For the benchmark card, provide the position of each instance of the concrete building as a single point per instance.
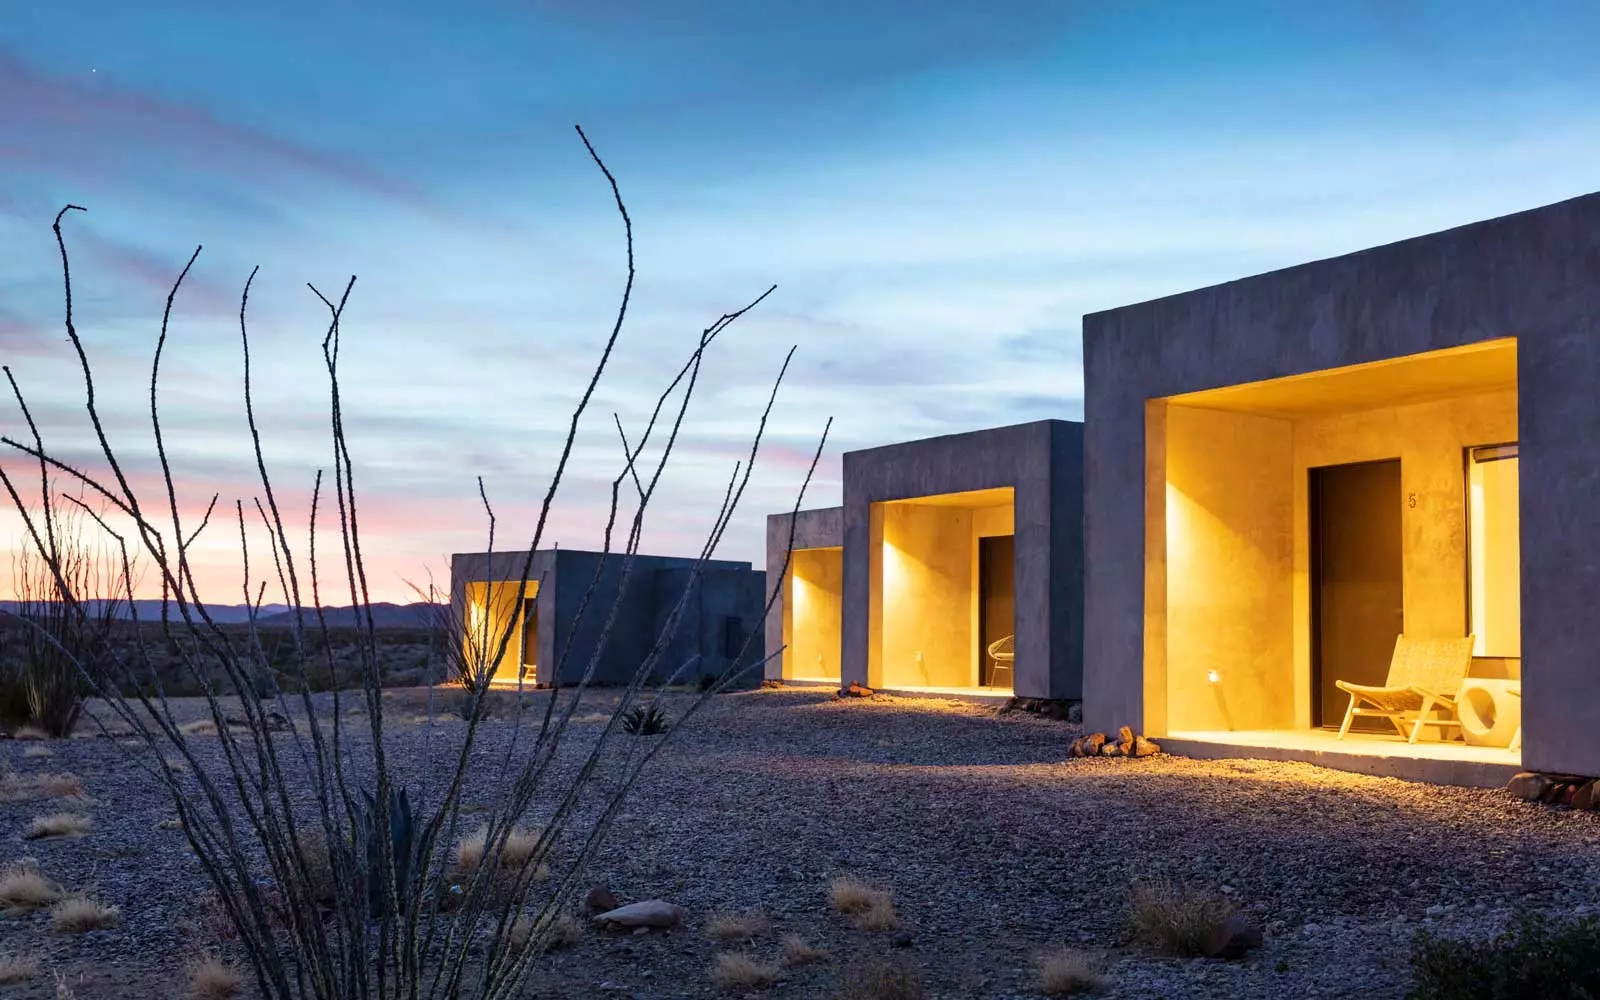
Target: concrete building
(954, 565)
(1285, 473)
(725, 604)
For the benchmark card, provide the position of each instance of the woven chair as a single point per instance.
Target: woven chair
(1424, 675)
(1004, 653)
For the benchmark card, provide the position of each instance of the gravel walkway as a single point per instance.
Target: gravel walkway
(994, 844)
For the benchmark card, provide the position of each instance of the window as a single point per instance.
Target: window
(1494, 558)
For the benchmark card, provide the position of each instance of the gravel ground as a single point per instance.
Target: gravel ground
(994, 844)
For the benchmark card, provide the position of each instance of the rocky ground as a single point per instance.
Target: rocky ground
(995, 844)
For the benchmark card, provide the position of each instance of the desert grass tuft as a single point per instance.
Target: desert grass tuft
(80, 915)
(60, 824)
(38, 752)
(798, 951)
(850, 896)
(1173, 919)
(209, 978)
(734, 970)
(199, 727)
(729, 927)
(880, 916)
(17, 969)
(24, 888)
(879, 979)
(565, 931)
(27, 787)
(30, 733)
(519, 851)
(1067, 972)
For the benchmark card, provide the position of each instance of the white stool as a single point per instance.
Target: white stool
(1490, 710)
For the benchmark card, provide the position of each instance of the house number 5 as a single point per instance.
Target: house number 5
(1411, 499)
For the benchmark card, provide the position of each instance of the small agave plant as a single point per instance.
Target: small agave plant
(645, 720)
(409, 842)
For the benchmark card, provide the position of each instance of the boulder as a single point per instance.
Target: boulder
(1232, 937)
(856, 691)
(1529, 785)
(1144, 748)
(1111, 748)
(650, 913)
(1584, 797)
(1092, 744)
(1076, 750)
(600, 900)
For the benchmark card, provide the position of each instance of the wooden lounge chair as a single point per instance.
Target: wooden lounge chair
(1424, 675)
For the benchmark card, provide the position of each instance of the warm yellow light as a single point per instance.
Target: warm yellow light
(1213, 676)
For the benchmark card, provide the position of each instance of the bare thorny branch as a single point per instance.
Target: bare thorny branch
(381, 917)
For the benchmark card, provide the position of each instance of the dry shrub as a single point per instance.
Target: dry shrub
(30, 733)
(1174, 919)
(1067, 972)
(199, 727)
(519, 851)
(24, 888)
(737, 926)
(38, 752)
(61, 824)
(732, 970)
(851, 896)
(209, 978)
(16, 969)
(878, 979)
(880, 916)
(81, 914)
(25, 787)
(797, 951)
(565, 931)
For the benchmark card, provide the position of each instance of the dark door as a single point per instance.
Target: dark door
(530, 635)
(1357, 599)
(997, 595)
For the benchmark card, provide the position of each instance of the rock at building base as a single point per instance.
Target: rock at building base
(1528, 785)
(600, 900)
(856, 691)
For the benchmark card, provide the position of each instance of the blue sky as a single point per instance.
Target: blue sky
(939, 191)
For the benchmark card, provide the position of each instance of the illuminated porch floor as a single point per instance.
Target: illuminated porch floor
(1445, 763)
(984, 695)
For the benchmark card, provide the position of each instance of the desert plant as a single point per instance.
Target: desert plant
(1174, 919)
(798, 951)
(1067, 972)
(210, 978)
(1535, 956)
(393, 833)
(23, 888)
(871, 908)
(246, 799)
(17, 969)
(82, 914)
(729, 927)
(734, 970)
(880, 979)
(61, 824)
(645, 720)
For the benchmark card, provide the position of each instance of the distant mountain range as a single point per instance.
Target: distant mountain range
(384, 615)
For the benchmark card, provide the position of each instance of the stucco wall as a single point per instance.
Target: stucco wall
(820, 528)
(1228, 570)
(812, 602)
(925, 630)
(1534, 275)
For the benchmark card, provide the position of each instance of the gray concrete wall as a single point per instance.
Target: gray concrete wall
(1534, 275)
(570, 630)
(821, 528)
(1042, 463)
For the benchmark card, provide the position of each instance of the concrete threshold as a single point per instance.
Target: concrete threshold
(1449, 764)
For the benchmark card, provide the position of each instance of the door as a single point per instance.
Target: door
(1357, 600)
(997, 596)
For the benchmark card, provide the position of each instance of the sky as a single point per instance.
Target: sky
(939, 191)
